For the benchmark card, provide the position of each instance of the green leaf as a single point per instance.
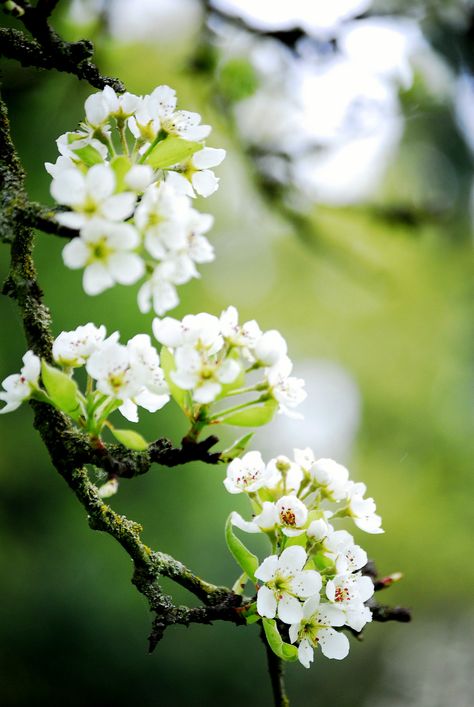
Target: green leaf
(238, 79)
(89, 155)
(130, 439)
(244, 558)
(121, 165)
(283, 650)
(236, 449)
(254, 416)
(62, 390)
(167, 363)
(170, 151)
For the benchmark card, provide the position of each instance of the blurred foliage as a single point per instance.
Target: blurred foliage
(390, 302)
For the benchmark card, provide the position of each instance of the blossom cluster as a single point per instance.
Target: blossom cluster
(122, 377)
(213, 355)
(127, 178)
(312, 580)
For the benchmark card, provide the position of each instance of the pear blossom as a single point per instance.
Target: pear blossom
(243, 335)
(195, 176)
(162, 106)
(283, 471)
(73, 348)
(160, 216)
(270, 348)
(110, 366)
(202, 330)
(105, 104)
(331, 477)
(18, 387)
(145, 365)
(246, 474)
(292, 515)
(316, 630)
(90, 195)
(348, 557)
(349, 592)
(204, 377)
(285, 583)
(69, 143)
(362, 510)
(105, 249)
(158, 293)
(287, 390)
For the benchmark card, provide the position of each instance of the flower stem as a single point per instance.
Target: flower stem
(223, 413)
(276, 672)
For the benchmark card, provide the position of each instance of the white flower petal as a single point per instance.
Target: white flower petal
(266, 603)
(126, 268)
(96, 279)
(75, 254)
(266, 571)
(290, 610)
(205, 182)
(292, 559)
(333, 643)
(119, 207)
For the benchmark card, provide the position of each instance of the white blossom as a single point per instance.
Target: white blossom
(331, 477)
(105, 250)
(110, 366)
(90, 195)
(292, 515)
(349, 592)
(145, 365)
(73, 348)
(315, 630)
(362, 510)
(285, 583)
(195, 371)
(270, 348)
(246, 474)
(19, 386)
(241, 335)
(195, 176)
(287, 390)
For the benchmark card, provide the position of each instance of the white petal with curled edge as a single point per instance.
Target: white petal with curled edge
(237, 520)
(357, 616)
(266, 571)
(208, 157)
(205, 182)
(168, 331)
(266, 603)
(333, 643)
(151, 401)
(306, 583)
(69, 188)
(129, 410)
(96, 279)
(31, 367)
(119, 207)
(100, 181)
(75, 254)
(206, 392)
(126, 268)
(290, 610)
(331, 590)
(365, 587)
(228, 371)
(165, 297)
(292, 559)
(305, 653)
(293, 632)
(371, 524)
(96, 108)
(180, 184)
(144, 298)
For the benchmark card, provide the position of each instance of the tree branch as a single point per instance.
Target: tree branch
(276, 672)
(47, 50)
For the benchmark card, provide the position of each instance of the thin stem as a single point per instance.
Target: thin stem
(276, 672)
(224, 413)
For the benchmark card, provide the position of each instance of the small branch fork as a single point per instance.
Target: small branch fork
(71, 450)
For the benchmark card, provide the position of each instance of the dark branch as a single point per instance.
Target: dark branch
(276, 672)
(47, 50)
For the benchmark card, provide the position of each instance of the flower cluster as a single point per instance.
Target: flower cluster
(212, 356)
(127, 178)
(122, 377)
(312, 581)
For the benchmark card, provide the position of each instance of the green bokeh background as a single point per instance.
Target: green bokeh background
(389, 303)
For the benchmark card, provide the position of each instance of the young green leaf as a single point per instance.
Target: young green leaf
(89, 155)
(254, 416)
(62, 390)
(244, 558)
(283, 650)
(236, 449)
(130, 439)
(168, 364)
(170, 151)
(121, 165)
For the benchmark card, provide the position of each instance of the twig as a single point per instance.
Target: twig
(276, 672)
